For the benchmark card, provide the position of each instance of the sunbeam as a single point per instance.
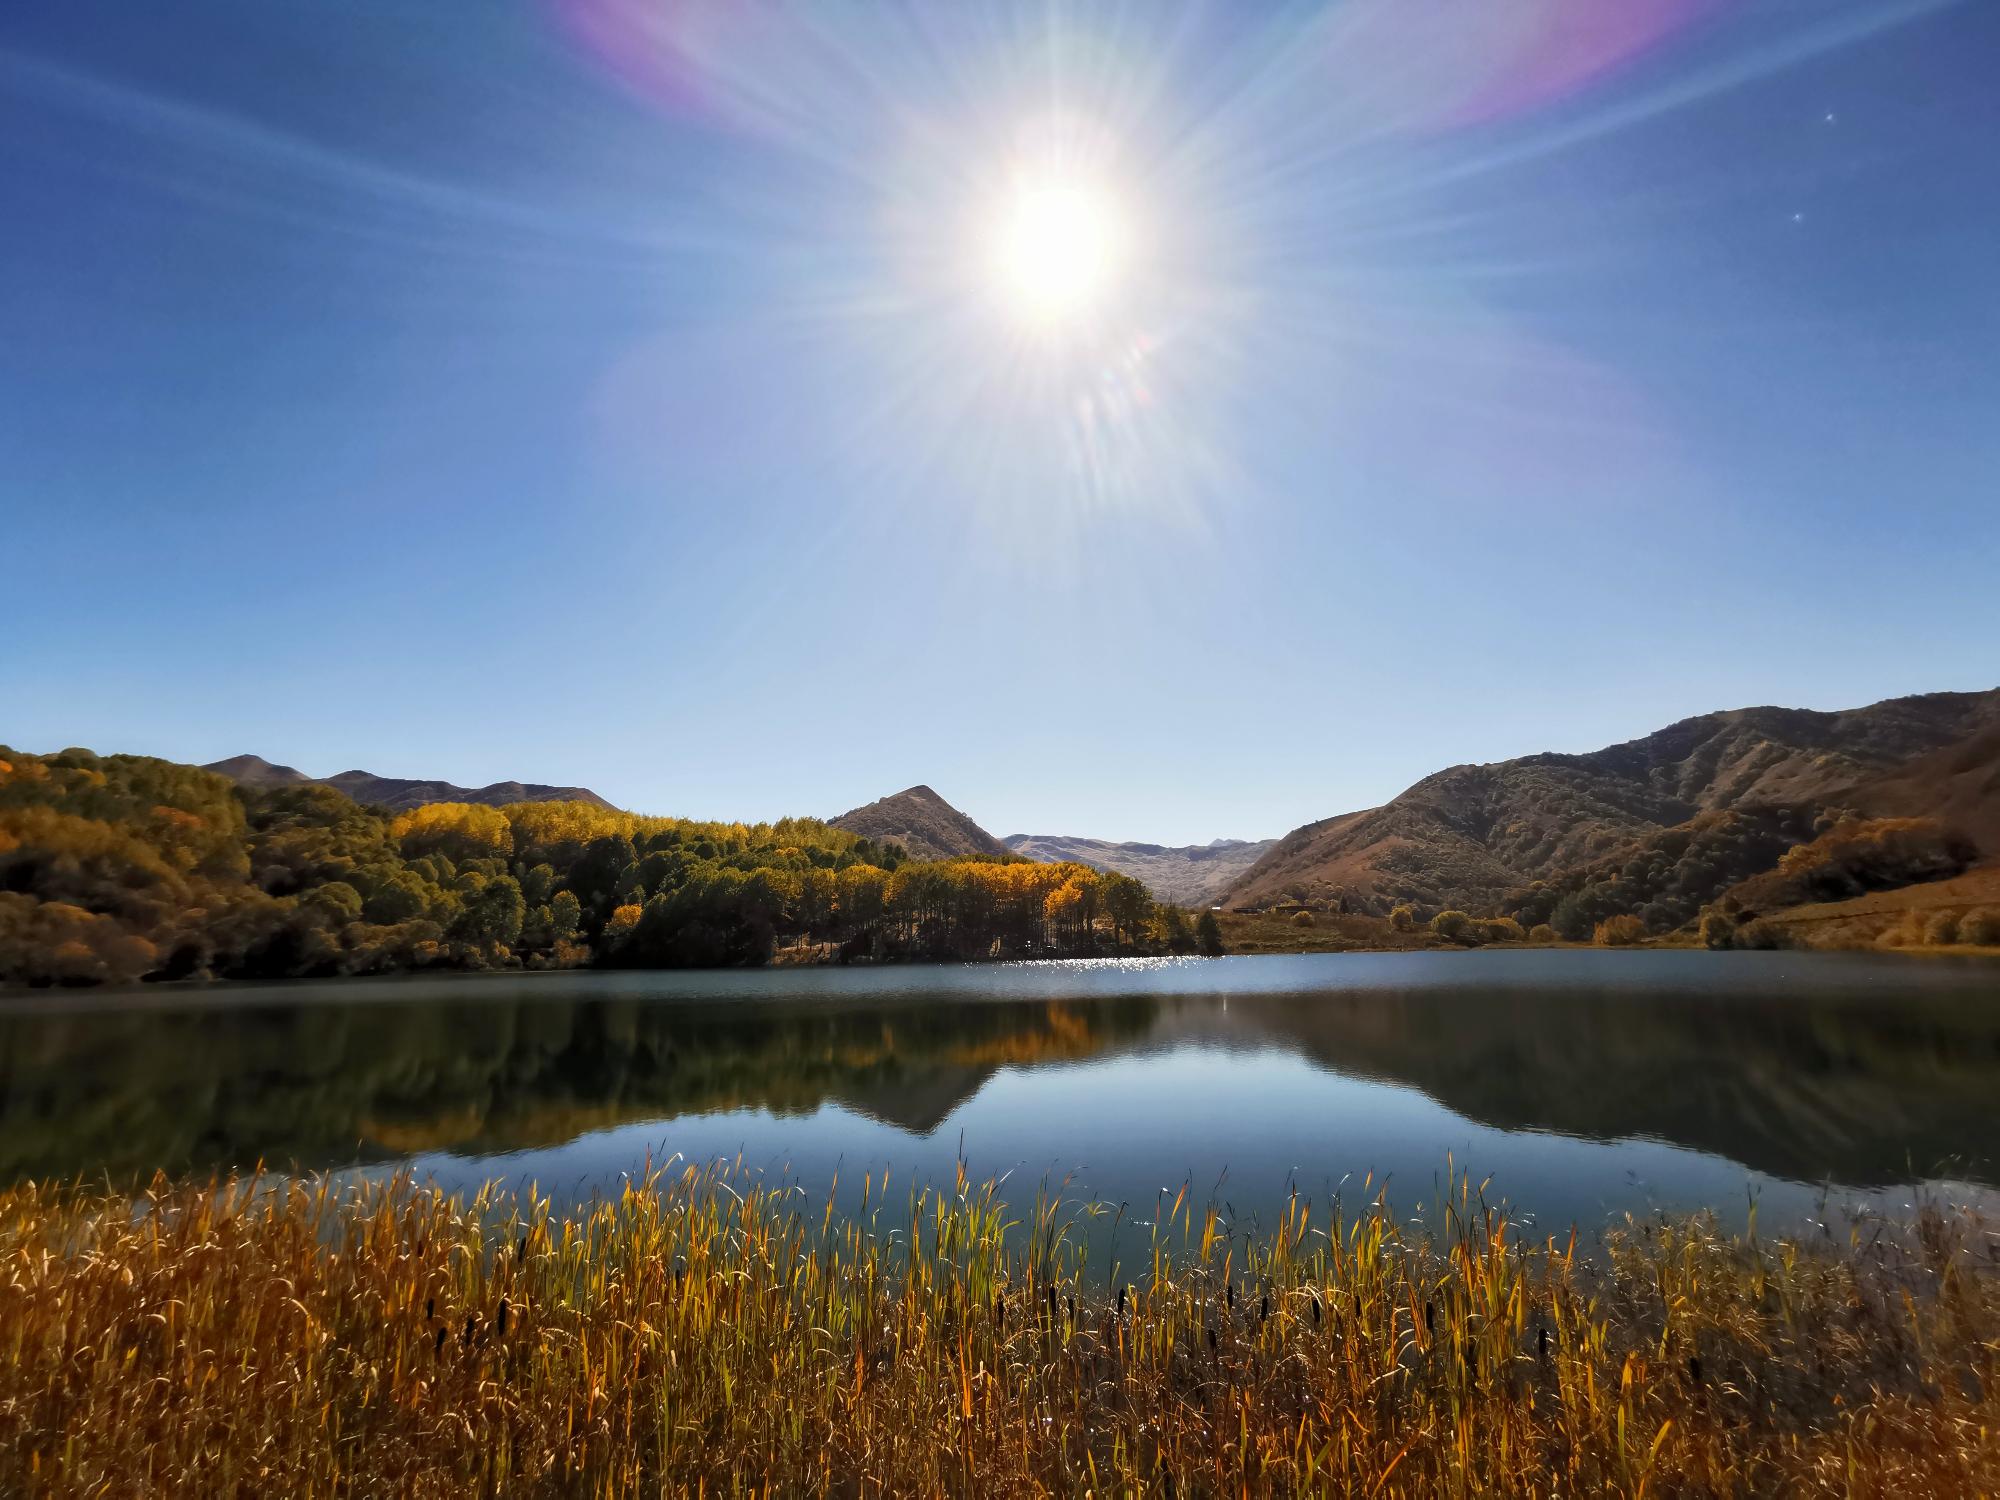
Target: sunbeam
(1059, 248)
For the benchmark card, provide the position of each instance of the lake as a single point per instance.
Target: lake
(1585, 1084)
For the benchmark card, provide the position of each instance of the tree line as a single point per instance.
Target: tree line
(125, 867)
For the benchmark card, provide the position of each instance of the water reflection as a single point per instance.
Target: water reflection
(1583, 1082)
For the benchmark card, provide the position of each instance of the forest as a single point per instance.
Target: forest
(118, 868)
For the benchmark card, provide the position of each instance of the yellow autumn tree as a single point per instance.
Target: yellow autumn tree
(457, 830)
(861, 889)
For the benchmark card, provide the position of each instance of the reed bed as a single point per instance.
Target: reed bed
(706, 1333)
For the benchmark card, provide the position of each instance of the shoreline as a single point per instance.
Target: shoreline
(79, 995)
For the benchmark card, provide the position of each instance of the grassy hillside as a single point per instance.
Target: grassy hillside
(1959, 785)
(1960, 914)
(1469, 835)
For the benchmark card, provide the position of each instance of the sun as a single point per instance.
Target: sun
(1059, 247)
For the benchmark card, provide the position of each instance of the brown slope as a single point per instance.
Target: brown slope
(1958, 785)
(926, 825)
(1464, 836)
(397, 792)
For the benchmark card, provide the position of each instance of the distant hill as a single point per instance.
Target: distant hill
(926, 825)
(397, 792)
(1466, 835)
(254, 770)
(1189, 875)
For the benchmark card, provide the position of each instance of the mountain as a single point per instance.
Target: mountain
(254, 770)
(1465, 835)
(1959, 785)
(923, 823)
(397, 792)
(1190, 875)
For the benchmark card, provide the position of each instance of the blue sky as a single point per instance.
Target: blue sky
(618, 393)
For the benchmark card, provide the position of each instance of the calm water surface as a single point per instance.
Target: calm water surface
(1584, 1084)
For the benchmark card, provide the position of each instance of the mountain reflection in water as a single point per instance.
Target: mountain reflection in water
(1856, 1072)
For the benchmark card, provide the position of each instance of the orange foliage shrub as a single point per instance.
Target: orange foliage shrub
(1619, 932)
(1861, 855)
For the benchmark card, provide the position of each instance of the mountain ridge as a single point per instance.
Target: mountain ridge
(1465, 835)
(1186, 874)
(396, 792)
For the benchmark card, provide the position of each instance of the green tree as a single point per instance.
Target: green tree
(1127, 902)
(538, 927)
(493, 917)
(1208, 935)
(663, 869)
(337, 899)
(565, 915)
(1571, 918)
(538, 884)
(596, 873)
(399, 898)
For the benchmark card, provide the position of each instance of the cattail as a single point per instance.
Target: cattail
(999, 1310)
(438, 1347)
(470, 1323)
(521, 1253)
(501, 1322)
(1541, 1343)
(1071, 1302)
(1315, 1297)
(1212, 1346)
(1694, 1368)
(1052, 1303)
(1430, 1317)
(430, 1308)
(1121, 1300)
(1229, 1294)
(1264, 1309)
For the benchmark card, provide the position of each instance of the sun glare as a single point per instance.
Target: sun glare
(1058, 248)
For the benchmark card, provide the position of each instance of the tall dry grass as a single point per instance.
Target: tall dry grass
(703, 1333)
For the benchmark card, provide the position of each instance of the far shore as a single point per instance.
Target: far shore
(1244, 940)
